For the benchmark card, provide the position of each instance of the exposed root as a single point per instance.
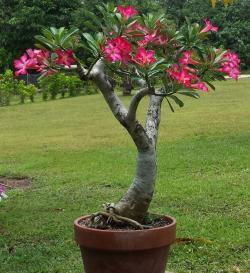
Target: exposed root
(109, 216)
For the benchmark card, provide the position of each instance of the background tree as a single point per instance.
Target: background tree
(233, 22)
(21, 20)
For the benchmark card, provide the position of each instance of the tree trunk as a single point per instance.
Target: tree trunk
(127, 86)
(136, 201)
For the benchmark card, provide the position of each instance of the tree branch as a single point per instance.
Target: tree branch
(82, 72)
(120, 112)
(153, 118)
(135, 102)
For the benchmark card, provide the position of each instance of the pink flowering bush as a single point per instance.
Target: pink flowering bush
(169, 63)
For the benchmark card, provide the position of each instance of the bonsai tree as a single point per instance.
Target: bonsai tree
(171, 63)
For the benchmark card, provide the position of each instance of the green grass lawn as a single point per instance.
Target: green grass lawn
(79, 157)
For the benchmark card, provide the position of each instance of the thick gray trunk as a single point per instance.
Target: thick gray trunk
(135, 203)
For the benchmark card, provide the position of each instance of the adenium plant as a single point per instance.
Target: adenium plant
(169, 63)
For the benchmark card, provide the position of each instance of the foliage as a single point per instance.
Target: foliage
(26, 91)
(225, 2)
(8, 87)
(233, 22)
(60, 84)
(147, 48)
(22, 20)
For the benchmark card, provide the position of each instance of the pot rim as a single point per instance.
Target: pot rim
(124, 240)
(76, 224)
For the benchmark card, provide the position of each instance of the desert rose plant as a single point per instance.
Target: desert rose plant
(169, 63)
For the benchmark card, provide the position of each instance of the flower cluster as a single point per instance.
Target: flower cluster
(209, 27)
(64, 57)
(127, 12)
(39, 60)
(141, 43)
(28, 60)
(187, 59)
(144, 57)
(153, 38)
(186, 75)
(118, 49)
(230, 64)
(2, 193)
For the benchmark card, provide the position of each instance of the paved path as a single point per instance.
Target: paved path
(244, 76)
(240, 77)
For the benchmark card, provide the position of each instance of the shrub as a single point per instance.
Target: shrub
(8, 86)
(26, 91)
(61, 84)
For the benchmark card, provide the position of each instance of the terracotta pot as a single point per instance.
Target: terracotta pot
(115, 251)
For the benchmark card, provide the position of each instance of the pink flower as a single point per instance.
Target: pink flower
(148, 38)
(153, 38)
(183, 76)
(49, 72)
(23, 64)
(161, 40)
(113, 53)
(64, 57)
(33, 59)
(127, 12)
(118, 49)
(200, 85)
(144, 57)
(32, 53)
(140, 27)
(209, 27)
(230, 64)
(136, 30)
(187, 59)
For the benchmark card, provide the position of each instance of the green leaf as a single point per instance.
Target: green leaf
(90, 39)
(191, 94)
(99, 37)
(68, 35)
(45, 42)
(161, 61)
(154, 72)
(53, 30)
(53, 56)
(210, 84)
(171, 107)
(177, 100)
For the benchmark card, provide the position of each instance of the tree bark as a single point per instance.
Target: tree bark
(135, 203)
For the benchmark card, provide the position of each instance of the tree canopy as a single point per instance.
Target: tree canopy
(21, 20)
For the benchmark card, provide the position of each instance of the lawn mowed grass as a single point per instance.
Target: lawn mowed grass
(79, 157)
